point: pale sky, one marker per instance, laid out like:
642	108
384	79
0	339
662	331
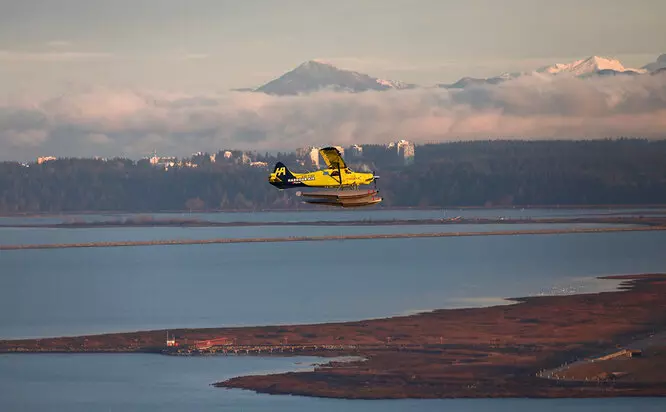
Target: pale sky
199	45
126	77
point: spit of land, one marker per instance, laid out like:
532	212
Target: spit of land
586	345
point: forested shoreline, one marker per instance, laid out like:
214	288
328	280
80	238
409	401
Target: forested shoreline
460	174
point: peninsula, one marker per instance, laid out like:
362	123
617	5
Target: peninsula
586	345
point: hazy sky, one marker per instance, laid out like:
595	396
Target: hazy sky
221	44
126	77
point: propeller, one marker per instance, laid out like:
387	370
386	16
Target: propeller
375	177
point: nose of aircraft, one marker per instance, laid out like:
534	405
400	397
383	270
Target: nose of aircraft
373	179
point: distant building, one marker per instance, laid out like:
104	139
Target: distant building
164	162
154	159
356	151
213	157
301	152
227	154
310	155
44	159
170	340
314	156
406	151
258	164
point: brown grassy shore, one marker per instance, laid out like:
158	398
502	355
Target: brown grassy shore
478	352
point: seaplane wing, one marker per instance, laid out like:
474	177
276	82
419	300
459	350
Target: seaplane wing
332	157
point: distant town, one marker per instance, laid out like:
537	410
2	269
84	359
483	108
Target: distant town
307	157
492	173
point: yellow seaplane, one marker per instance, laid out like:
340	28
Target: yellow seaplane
337	175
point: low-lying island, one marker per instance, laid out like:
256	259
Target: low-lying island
586	345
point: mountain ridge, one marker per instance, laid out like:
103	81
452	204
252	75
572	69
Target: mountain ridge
317	75
583	68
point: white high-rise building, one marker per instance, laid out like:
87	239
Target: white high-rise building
406	150
314	156
308	155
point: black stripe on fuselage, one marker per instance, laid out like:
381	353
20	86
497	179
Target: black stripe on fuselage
283	185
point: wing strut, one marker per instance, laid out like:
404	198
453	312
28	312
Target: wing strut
339	176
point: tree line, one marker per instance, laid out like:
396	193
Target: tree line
480	173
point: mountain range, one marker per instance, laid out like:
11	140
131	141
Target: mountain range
316	75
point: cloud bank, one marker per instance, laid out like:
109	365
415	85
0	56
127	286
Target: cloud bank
105	122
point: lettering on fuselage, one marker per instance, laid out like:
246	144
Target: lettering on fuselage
301	179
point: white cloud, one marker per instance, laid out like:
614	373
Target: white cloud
196	56
59	44
51	56
136	122
98	138
23	138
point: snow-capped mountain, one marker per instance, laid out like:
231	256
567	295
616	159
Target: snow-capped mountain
657	65
587	66
591	66
315	75
475	81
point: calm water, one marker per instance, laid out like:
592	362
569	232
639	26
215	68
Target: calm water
15	235
78	291
138	382
335	215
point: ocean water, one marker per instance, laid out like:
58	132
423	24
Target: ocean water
335	214
141	382
23	236
79	291
59	292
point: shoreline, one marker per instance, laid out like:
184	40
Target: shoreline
327	238
650	220
335	209
494	351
